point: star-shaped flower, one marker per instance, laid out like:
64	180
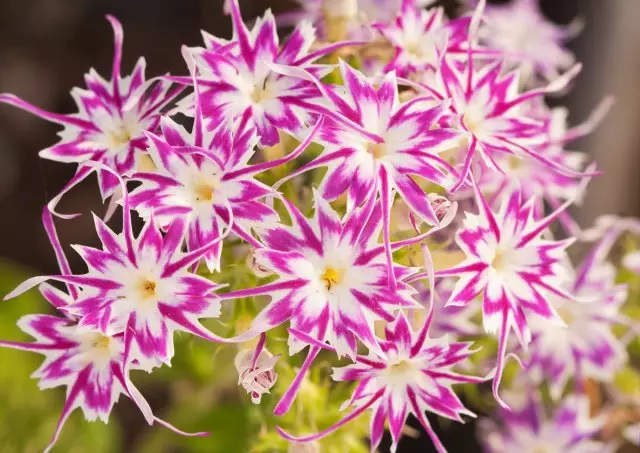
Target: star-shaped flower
488	106
410	374
419	37
109	126
237	77
140	287
511	267
586	347
570	429
88	362
333	280
205	178
374	144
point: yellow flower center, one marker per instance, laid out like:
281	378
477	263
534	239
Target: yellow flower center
119	136
566	315
499	261
204	192
101	342
148	289
401	367
260	93
377	150
332	277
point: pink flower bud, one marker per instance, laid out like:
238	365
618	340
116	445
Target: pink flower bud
258	379
440	205
258	269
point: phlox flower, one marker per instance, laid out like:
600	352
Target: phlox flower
410	374
535	179
140	287
88	362
332	281
520	28
586	347
374	144
570	429
489	109
511	267
236	77
419	37
110	123
204	177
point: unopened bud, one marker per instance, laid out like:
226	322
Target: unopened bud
257	268
256	380
441	205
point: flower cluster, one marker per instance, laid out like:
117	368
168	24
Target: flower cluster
408	220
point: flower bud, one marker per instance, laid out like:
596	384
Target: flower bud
256	380
440	205
258	269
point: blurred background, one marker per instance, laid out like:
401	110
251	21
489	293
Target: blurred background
45	48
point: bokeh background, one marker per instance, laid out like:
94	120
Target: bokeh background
45	48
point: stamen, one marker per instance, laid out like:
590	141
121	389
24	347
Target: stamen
377	150
332	277
401	367
120	136
148	289
101	342
204	192
566	315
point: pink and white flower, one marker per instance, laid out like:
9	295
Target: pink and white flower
204	177
519	27
489	108
419	37
374	144
141	288
586	347
333	281
110	124
88	362
410	374
571	429
237	77
511	267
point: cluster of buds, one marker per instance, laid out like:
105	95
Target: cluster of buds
445	125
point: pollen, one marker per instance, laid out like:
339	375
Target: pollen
332	277
377	150
566	315
120	136
204	192
499	261
101	342
148	289
401	367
